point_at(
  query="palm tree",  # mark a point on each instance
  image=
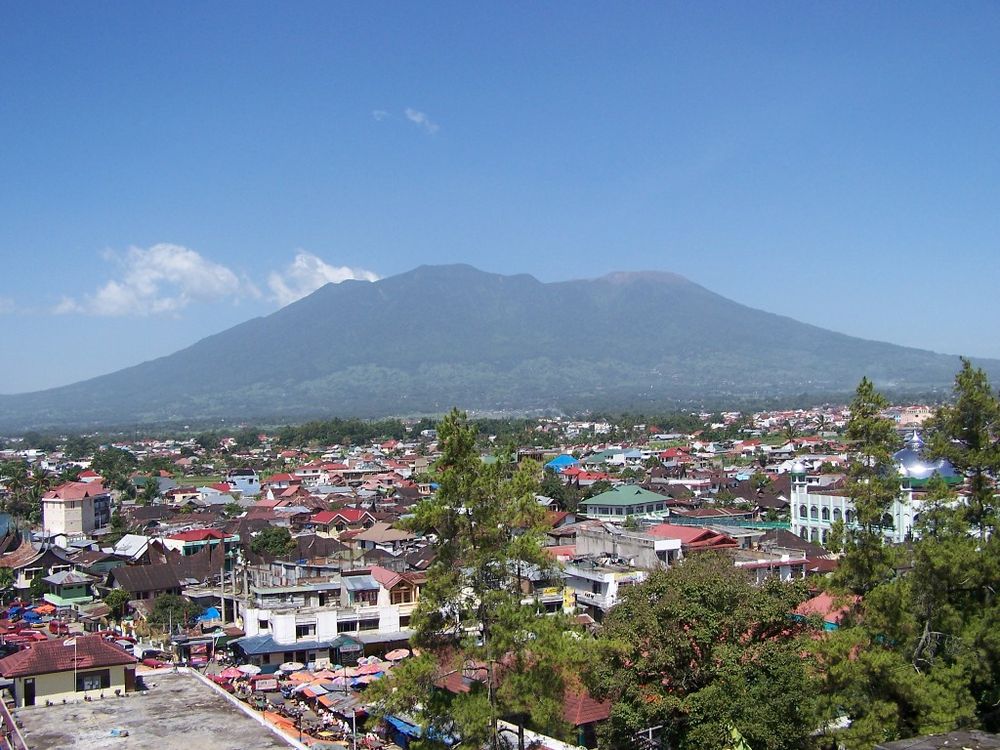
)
(789, 431)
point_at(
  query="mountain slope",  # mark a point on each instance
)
(452, 335)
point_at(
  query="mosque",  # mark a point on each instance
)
(815, 506)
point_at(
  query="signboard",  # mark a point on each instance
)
(265, 686)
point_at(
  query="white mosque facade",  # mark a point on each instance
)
(815, 509)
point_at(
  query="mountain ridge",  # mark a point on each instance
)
(437, 336)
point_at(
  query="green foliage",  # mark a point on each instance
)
(881, 693)
(150, 490)
(207, 441)
(114, 465)
(552, 486)
(6, 583)
(873, 484)
(760, 481)
(340, 432)
(925, 657)
(171, 609)
(232, 509)
(275, 541)
(116, 601)
(38, 587)
(701, 650)
(79, 446)
(967, 433)
(489, 530)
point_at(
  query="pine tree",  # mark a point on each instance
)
(873, 484)
(472, 618)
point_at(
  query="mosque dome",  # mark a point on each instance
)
(918, 468)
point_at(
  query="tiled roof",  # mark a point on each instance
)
(580, 709)
(197, 535)
(75, 491)
(693, 536)
(142, 578)
(44, 657)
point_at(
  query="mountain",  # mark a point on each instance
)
(439, 336)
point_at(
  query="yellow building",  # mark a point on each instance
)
(69, 670)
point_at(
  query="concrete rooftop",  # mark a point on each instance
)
(178, 712)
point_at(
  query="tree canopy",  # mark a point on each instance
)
(475, 615)
(698, 650)
(275, 541)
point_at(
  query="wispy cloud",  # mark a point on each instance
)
(379, 114)
(421, 120)
(307, 273)
(6, 305)
(161, 279)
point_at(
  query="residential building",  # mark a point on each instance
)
(75, 509)
(624, 501)
(85, 666)
(69, 589)
(597, 583)
(639, 549)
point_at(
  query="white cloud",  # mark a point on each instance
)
(307, 273)
(6, 305)
(421, 120)
(379, 114)
(161, 279)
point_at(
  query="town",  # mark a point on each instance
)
(277, 576)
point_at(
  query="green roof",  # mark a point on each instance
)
(625, 494)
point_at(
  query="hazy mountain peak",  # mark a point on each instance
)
(442, 336)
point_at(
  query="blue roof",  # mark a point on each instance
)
(561, 462)
(209, 614)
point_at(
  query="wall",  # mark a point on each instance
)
(59, 685)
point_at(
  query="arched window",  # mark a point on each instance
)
(825, 536)
(814, 535)
(803, 513)
(837, 515)
(850, 516)
(887, 522)
(814, 512)
(826, 515)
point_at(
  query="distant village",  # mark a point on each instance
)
(250, 561)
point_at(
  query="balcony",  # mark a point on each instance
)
(594, 600)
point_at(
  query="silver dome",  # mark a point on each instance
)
(914, 465)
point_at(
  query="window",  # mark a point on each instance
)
(837, 515)
(97, 680)
(814, 512)
(305, 631)
(826, 514)
(347, 626)
(368, 624)
(404, 621)
(401, 595)
(803, 513)
(619, 511)
(850, 516)
(366, 596)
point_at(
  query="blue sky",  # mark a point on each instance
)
(171, 169)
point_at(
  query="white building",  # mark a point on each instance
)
(815, 508)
